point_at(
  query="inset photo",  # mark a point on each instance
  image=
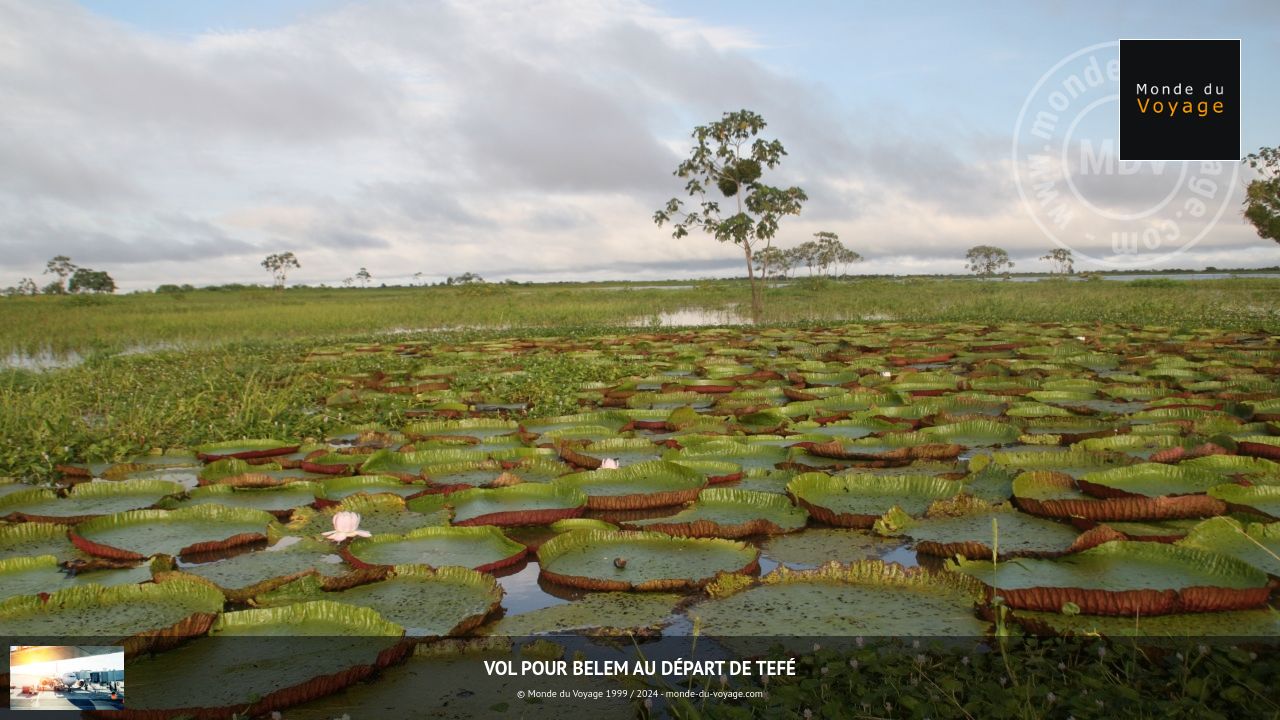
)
(66, 677)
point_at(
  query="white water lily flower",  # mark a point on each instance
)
(609, 464)
(346, 525)
(1081, 338)
(885, 373)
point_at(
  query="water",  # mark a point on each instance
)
(692, 317)
(46, 359)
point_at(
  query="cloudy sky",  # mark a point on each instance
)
(181, 142)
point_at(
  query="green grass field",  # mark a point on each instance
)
(91, 323)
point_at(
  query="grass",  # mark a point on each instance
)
(85, 325)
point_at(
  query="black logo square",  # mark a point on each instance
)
(1180, 100)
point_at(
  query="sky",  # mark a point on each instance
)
(182, 142)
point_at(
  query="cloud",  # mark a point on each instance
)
(509, 139)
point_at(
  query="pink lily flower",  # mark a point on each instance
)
(346, 525)
(609, 464)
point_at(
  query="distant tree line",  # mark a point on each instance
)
(69, 278)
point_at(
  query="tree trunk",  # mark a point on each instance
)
(757, 302)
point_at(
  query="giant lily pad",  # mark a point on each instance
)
(617, 560)
(865, 598)
(819, 546)
(857, 500)
(87, 500)
(523, 504)
(1148, 480)
(425, 601)
(605, 614)
(340, 487)
(636, 487)
(1125, 578)
(31, 539)
(379, 514)
(482, 548)
(138, 534)
(1255, 543)
(1056, 495)
(141, 617)
(244, 449)
(42, 574)
(331, 646)
(1263, 499)
(972, 529)
(244, 575)
(729, 513)
(279, 500)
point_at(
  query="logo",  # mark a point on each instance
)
(1067, 167)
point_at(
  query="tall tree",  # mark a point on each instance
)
(1060, 260)
(1262, 196)
(279, 265)
(364, 277)
(729, 156)
(62, 267)
(771, 258)
(987, 260)
(94, 281)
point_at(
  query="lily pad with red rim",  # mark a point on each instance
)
(483, 548)
(648, 561)
(425, 601)
(1125, 578)
(729, 513)
(515, 505)
(857, 500)
(636, 487)
(244, 449)
(138, 534)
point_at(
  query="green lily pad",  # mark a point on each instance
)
(819, 546)
(425, 601)
(1264, 499)
(31, 538)
(244, 575)
(32, 575)
(868, 598)
(244, 449)
(138, 534)
(857, 500)
(974, 433)
(1149, 480)
(523, 504)
(117, 612)
(605, 613)
(273, 499)
(1255, 543)
(973, 531)
(1125, 578)
(380, 514)
(88, 499)
(603, 560)
(636, 487)
(337, 488)
(331, 646)
(482, 548)
(729, 513)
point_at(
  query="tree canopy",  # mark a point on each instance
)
(1262, 196)
(987, 260)
(729, 156)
